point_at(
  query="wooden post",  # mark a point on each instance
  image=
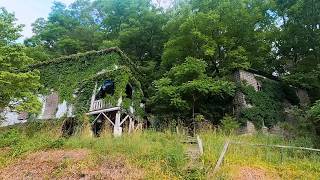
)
(130, 125)
(200, 144)
(219, 162)
(117, 129)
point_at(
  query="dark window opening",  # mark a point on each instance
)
(106, 88)
(129, 91)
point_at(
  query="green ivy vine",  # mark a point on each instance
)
(267, 104)
(74, 77)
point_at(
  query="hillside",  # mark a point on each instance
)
(36, 150)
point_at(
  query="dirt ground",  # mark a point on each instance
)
(109, 169)
(250, 173)
(67, 164)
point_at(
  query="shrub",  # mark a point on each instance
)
(229, 124)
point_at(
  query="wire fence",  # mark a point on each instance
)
(276, 154)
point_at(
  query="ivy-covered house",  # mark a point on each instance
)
(100, 84)
(264, 100)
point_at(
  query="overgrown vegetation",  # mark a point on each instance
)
(162, 154)
(267, 104)
(269, 36)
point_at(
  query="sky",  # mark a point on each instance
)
(27, 11)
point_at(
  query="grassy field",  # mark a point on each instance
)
(160, 155)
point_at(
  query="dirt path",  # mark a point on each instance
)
(251, 173)
(68, 164)
(40, 164)
(193, 153)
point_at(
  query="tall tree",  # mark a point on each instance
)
(183, 89)
(226, 33)
(17, 89)
(298, 42)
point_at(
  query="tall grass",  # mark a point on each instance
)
(161, 155)
(286, 163)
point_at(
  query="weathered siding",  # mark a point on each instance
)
(51, 109)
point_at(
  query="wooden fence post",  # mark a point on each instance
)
(200, 144)
(220, 160)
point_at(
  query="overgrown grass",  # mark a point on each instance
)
(161, 155)
(285, 163)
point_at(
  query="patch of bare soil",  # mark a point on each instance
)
(250, 173)
(108, 169)
(40, 165)
(68, 164)
(5, 150)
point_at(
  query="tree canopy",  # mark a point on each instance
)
(18, 89)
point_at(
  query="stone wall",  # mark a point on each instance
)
(239, 99)
(303, 97)
(248, 77)
(51, 106)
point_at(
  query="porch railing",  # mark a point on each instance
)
(99, 104)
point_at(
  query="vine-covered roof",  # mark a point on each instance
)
(81, 71)
(125, 59)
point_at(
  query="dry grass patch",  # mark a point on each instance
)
(41, 165)
(115, 168)
(253, 173)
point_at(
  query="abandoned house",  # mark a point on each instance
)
(260, 81)
(102, 85)
(99, 84)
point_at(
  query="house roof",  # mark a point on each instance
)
(124, 57)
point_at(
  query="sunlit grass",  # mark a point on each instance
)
(161, 155)
(286, 163)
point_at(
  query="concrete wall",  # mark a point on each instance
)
(51, 109)
(303, 97)
(248, 77)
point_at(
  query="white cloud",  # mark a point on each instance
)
(27, 11)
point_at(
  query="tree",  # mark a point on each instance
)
(226, 34)
(17, 88)
(134, 26)
(181, 91)
(314, 113)
(298, 43)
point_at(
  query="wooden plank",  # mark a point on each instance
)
(95, 119)
(220, 160)
(103, 110)
(124, 119)
(107, 118)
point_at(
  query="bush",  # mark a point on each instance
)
(229, 124)
(315, 111)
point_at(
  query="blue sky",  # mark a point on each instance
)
(27, 11)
